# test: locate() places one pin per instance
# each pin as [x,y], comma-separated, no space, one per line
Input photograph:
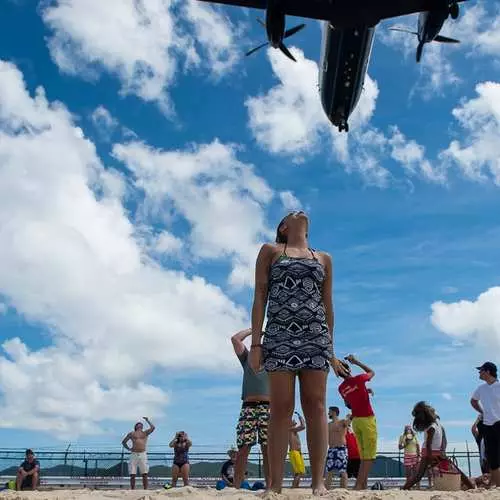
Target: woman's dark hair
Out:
[280,237]
[424,415]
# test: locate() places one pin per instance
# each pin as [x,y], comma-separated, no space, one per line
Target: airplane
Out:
[348,36]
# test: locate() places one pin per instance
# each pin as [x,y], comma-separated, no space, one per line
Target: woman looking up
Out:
[295,283]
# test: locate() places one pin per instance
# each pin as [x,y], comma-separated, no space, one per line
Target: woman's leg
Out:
[312,397]
[282,392]
[175,475]
[185,474]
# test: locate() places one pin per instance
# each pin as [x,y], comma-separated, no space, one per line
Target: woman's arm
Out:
[327,293]
[172,443]
[401,442]
[261,291]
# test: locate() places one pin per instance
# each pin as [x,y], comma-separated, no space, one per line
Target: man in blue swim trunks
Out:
[336,460]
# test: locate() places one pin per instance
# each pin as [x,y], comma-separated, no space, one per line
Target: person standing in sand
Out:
[355,394]
[295,283]
[181,445]
[138,453]
[254,414]
[409,443]
[295,451]
[337,456]
[353,460]
[486,401]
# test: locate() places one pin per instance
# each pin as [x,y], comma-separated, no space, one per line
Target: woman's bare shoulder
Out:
[325,257]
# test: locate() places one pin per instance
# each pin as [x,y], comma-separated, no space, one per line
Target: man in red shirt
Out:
[356,396]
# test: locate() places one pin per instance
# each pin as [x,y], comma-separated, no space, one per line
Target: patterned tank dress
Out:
[296,335]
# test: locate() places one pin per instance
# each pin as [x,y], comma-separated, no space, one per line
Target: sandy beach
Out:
[199,493]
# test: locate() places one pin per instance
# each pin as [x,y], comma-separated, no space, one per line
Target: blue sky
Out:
[138,181]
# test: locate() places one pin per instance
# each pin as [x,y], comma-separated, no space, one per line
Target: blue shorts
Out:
[336,459]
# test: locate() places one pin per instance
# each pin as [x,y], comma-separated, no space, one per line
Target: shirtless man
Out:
[295,453]
[138,455]
[336,461]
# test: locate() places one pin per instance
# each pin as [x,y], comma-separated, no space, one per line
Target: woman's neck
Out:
[297,240]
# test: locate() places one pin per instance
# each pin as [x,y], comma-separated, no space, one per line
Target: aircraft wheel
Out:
[454,10]
[343,126]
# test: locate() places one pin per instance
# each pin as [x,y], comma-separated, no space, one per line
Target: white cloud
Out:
[412,157]
[138,41]
[477,320]
[449,290]
[215,33]
[290,201]
[71,260]
[3,308]
[104,122]
[447,396]
[219,196]
[479,155]
[167,243]
[289,118]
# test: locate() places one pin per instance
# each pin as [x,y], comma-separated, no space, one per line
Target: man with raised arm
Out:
[138,453]
[355,394]
[254,414]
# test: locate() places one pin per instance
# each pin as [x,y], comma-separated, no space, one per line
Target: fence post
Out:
[260,464]
[468,457]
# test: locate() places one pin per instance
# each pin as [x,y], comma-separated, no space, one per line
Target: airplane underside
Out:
[343,70]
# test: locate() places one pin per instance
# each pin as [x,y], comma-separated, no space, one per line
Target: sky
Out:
[144,160]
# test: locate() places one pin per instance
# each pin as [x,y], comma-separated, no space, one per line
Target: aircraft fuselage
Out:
[345,55]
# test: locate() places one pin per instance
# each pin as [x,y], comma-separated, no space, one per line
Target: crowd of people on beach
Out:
[293,282]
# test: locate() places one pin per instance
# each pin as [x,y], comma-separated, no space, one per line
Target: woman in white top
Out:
[426,420]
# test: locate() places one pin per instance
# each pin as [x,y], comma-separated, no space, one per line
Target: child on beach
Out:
[433,448]
[295,453]
[336,460]
[355,394]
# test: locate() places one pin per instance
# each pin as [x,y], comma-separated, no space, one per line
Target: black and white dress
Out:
[296,335]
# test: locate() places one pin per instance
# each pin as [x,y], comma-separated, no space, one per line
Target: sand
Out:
[200,493]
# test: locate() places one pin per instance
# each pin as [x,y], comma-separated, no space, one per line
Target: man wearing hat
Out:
[486,400]
[28,472]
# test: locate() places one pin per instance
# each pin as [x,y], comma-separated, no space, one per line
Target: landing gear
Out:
[454,10]
[343,125]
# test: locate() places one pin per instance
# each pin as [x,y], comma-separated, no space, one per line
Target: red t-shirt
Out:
[354,392]
[352,445]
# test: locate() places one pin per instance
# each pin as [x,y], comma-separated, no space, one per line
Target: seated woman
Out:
[433,448]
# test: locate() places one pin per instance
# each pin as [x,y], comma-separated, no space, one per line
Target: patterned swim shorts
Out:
[336,460]
[252,424]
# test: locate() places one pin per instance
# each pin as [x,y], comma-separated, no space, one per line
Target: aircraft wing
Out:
[342,12]
[252,4]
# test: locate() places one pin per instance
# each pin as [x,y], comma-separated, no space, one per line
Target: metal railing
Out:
[93,464]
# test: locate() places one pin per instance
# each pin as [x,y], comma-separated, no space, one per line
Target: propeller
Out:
[282,46]
[438,38]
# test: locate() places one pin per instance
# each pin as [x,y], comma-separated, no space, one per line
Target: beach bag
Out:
[447,476]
